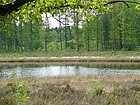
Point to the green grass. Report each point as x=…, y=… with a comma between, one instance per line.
x=106, y=54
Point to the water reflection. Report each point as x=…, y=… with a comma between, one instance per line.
x=64, y=70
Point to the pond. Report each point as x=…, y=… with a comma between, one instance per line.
x=45, y=70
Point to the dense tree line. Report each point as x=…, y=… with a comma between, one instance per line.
x=115, y=30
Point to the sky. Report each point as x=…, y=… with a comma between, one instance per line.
x=54, y=23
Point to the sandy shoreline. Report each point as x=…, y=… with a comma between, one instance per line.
x=69, y=59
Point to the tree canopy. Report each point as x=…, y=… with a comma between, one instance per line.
x=34, y=8
x=25, y=25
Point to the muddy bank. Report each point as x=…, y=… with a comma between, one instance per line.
x=69, y=59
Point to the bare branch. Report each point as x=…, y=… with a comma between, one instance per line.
x=7, y=9
x=60, y=21
x=121, y=1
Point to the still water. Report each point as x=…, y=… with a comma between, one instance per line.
x=45, y=70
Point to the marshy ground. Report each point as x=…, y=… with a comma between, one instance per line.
x=67, y=56
x=78, y=90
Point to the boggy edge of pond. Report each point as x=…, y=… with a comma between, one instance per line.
x=67, y=59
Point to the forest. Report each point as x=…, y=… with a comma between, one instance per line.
x=69, y=52
x=117, y=30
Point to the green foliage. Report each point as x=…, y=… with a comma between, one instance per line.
x=34, y=10
x=92, y=27
x=95, y=88
x=18, y=90
x=114, y=99
x=21, y=93
x=138, y=7
x=4, y=2
x=138, y=95
x=13, y=73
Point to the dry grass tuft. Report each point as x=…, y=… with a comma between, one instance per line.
x=72, y=90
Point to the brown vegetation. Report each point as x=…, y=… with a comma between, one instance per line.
x=73, y=90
